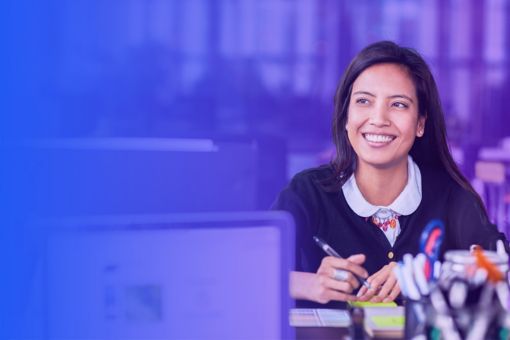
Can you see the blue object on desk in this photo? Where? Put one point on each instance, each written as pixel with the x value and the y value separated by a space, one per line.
pixel 430 242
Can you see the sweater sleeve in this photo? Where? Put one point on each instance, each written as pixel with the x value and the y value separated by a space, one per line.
pixel 295 199
pixel 470 222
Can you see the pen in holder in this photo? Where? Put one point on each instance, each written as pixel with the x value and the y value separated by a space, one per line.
pixel 466 300
pixel 417 277
pixel 416 289
pixel 416 317
pixel 474 287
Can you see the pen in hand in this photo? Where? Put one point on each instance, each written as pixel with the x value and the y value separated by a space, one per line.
pixel 331 252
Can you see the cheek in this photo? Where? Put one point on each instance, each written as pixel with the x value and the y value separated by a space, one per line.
pixel 353 122
pixel 408 127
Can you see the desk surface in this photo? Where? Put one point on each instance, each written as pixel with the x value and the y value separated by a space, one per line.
pixel 325 333
pixel 329 323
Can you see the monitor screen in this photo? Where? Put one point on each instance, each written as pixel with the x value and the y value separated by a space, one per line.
pixel 202 279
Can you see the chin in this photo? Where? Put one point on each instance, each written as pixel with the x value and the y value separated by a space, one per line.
pixel 380 162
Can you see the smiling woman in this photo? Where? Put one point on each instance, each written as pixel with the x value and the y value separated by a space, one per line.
pixel 375 198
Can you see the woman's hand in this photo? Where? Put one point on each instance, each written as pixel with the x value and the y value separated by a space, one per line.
pixel 322 286
pixel 384 284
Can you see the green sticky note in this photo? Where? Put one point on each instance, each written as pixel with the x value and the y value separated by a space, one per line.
pixel 388 321
pixel 372 304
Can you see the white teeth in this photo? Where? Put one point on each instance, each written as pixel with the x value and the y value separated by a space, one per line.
pixel 378 138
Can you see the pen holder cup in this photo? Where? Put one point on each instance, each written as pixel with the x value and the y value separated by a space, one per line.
pixel 417 317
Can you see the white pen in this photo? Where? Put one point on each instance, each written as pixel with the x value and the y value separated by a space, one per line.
pixel 331 252
pixel 500 249
pixel 407 272
pixel 419 274
pixel 397 270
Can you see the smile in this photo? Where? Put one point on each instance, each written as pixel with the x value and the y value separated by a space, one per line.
pixel 374 138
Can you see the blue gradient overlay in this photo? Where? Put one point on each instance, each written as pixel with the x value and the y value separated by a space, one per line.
pixel 164 107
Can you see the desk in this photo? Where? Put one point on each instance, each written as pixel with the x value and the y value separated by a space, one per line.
pixel 331 323
pixel 325 333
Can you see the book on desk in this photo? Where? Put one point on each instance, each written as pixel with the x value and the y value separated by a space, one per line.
pixel 384 322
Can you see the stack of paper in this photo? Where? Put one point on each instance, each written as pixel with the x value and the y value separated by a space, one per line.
pixel 308 317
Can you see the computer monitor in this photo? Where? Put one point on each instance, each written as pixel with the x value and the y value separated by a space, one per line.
pixel 92 176
pixel 180 276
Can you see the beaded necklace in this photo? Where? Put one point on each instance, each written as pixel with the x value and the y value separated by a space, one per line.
pixel 385 218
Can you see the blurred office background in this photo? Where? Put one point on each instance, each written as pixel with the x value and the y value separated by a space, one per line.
pixel 262 74
pixel 163 106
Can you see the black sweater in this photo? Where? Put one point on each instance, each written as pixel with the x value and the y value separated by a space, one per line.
pixel 327 215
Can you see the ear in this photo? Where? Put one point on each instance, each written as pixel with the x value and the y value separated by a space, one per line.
pixel 421 126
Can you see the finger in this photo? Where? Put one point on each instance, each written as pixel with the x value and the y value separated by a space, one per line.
pixel 357 258
pixel 342 286
pixel 387 287
pixel 345 264
pixel 352 280
pixel 339 296
pixel 376 280
pixel 367 294
pixel 326 268
pixel 332 272
pixel 393 295
pixel 364 298
pixel 326 282
pixel 328 294
pixel 339 274
pixel 375 299
pixel 375 283
pixel 362 291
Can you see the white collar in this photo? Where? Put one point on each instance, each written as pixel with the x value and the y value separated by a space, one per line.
pixel 405 204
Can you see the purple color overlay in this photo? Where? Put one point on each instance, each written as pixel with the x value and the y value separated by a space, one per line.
pixel 135 107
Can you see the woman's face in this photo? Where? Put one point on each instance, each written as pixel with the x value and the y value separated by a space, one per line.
pixel 383 117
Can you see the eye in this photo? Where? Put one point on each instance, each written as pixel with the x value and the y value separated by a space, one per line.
pixel 400 105
pixel 361 101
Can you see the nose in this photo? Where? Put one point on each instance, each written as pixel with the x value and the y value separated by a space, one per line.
pixel 379 116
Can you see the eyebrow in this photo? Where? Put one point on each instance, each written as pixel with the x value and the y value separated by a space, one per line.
pixel 394 96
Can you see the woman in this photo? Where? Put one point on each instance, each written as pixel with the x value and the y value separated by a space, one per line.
pixel 392 174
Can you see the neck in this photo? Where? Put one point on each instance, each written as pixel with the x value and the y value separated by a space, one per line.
pixel 381 186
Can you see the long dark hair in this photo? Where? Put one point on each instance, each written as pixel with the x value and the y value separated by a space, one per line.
pixel 431 150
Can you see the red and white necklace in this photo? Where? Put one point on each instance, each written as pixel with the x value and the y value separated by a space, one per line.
pixel 385 218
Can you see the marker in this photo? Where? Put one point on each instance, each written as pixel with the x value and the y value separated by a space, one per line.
pixel 430 241
pixel 400 278
pixel 458 294
pixel 407 274
pixel 331 252
pixel 419 274
pixel 500 249
pixel 437 270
